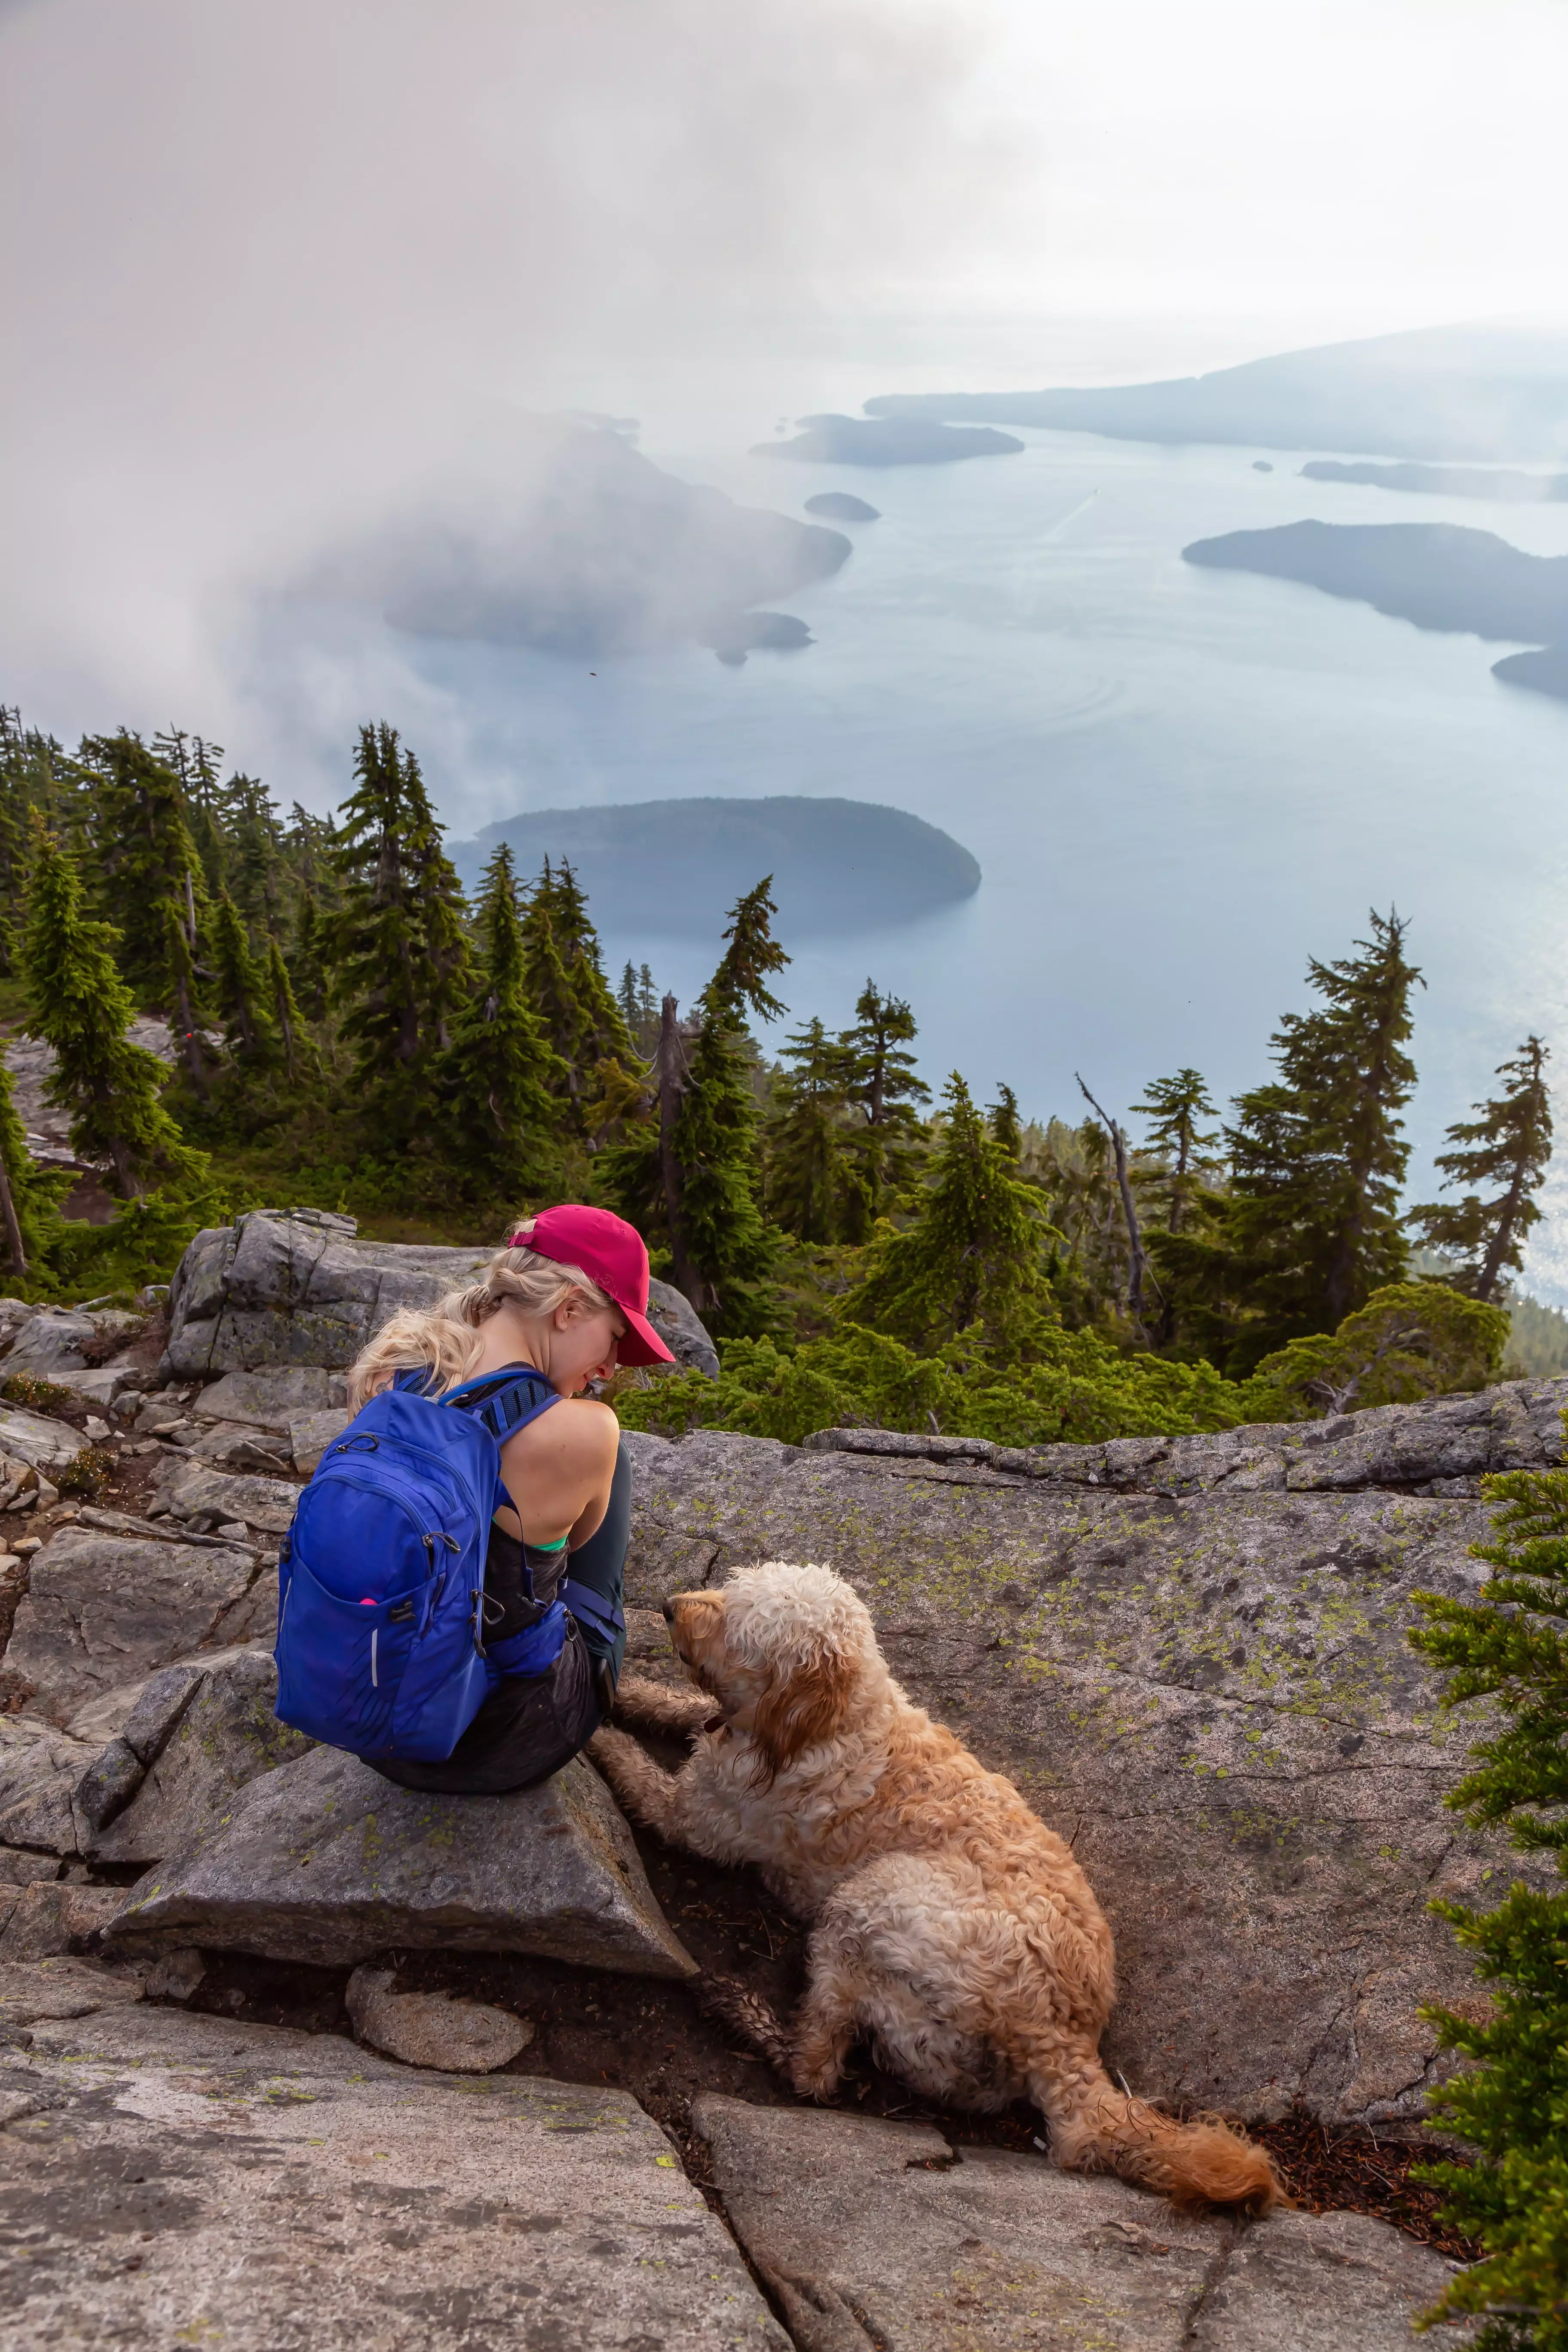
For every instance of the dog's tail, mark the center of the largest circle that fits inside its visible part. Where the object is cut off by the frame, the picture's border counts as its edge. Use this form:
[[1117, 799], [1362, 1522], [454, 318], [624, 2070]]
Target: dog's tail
[[749, 2015], [1095, 2128]]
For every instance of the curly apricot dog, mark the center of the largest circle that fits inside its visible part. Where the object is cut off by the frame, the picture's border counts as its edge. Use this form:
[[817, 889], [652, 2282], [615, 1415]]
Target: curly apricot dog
[[949, 1923]]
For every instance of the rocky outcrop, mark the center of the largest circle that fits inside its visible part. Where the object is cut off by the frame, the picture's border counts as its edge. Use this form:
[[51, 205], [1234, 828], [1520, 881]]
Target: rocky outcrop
[[324, 1861], [874, 2233], [171, 2179], [298, 1288], [103, 1610], [1191, 1655]]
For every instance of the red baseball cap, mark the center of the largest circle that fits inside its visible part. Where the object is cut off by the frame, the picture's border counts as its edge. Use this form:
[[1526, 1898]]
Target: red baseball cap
[[614, 1253]]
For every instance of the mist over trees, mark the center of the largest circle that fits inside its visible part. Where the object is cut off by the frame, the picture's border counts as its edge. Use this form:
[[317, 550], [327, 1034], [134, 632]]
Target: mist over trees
[[348, 1030]]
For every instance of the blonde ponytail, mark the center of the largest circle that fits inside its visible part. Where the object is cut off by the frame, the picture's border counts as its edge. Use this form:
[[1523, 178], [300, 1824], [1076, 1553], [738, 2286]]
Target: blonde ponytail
[[444, 1339]]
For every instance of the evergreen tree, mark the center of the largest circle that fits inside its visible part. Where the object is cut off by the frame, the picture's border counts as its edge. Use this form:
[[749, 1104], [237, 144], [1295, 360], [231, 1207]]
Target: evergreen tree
[[883, 1080], [254, 843], [308, 961], [298, 1054], [401, 957], [583, 1019], [498, 1109], [1506, 1148], [1006, 1127], [813, 1187], [974, 1259], [1311, 1222], [693, 1168], [239, 988], [150, 878], [1510, 2103], [1181, 1149], [78, 1003]]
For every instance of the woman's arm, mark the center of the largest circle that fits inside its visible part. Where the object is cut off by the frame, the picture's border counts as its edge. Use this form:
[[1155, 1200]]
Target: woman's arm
[[558, 1471]]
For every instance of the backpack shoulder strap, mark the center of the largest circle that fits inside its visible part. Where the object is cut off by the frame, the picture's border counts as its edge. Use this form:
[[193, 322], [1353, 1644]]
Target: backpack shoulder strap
[[503, 1402]]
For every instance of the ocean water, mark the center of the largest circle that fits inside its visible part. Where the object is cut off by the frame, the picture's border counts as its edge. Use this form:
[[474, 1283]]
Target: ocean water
[[1179, 783]]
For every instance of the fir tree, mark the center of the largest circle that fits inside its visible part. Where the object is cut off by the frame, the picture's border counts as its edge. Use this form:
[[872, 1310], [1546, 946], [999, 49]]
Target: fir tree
[[1312, 1223], [1511, 2101], [694, 1167], [308, 961], [401, 958], [583, 1019], [150, 878], [883, 1080], [1006, 1127], [1182, 1149], [812, 1186], [1506, 1148], [974, 1259], [298, 1054], [496, 1075], [78, 1004], [239, 988]]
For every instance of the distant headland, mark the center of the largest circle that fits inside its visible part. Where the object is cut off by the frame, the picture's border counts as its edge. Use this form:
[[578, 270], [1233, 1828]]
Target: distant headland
[[886, 441], [1440, 575], [1445, 482], [1443, 392], [672, 868]]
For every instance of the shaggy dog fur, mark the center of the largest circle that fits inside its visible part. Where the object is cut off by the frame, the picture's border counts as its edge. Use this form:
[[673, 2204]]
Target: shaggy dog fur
[[949, 1923]]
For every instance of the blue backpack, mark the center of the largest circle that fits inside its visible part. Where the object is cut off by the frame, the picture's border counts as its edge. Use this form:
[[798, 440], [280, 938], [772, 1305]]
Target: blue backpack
[[382, 1575]]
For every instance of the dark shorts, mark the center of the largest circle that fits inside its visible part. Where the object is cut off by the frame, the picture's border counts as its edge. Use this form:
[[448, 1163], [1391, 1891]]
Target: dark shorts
[[531, 1725]]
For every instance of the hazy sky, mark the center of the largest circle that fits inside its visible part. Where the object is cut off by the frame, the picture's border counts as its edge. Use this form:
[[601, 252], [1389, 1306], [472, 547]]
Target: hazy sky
[[256, 249]]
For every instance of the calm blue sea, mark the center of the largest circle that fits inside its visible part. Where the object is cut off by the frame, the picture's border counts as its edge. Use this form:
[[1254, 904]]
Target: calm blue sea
[[1180, 784]]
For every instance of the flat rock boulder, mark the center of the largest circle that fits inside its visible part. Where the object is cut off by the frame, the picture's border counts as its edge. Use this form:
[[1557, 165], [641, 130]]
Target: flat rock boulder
[[272, 1399], [102, 1610], [322, 1860], [433, 2029], [54, 1916], [200, 1734], [37, 1439], [297, 1288], [196, 1492], [1194, 1664], [41, 1769], [880, 2233], [169, 2179]]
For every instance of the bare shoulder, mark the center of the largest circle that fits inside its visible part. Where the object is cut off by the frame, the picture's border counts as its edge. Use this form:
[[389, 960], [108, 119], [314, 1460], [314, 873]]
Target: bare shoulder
[[579, 1432]]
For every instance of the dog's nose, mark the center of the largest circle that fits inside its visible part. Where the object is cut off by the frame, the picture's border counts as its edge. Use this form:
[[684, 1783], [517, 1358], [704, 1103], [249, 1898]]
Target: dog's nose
[[669, 1612]]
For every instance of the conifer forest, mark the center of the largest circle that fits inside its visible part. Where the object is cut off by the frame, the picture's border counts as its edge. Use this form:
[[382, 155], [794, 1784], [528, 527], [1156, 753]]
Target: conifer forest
[[346, 1030]]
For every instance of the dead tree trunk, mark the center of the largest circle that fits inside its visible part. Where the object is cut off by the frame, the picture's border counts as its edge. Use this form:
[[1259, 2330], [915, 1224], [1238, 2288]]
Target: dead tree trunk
[[1137, 1261]]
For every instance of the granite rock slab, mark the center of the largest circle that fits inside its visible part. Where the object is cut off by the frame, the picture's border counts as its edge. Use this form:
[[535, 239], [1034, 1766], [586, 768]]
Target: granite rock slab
[[194, 1491], [221, 1734], [102, 1610], [310, 1437], [36, 1438], [1209, 1691], [272, 1399], [872, 2233], [322, 1860], [298, 1288], [52, 1916], [169, 2179]]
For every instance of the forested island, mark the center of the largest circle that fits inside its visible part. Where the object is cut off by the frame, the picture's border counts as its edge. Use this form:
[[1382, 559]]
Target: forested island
[[887, 441], [1442, 392], [670, 868], [1439, 575], [566, 539], [1499, 482], [353, 1031]]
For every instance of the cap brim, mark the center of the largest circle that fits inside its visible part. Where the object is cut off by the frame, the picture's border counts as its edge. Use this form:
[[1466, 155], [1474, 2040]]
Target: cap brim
[[642, 1344]]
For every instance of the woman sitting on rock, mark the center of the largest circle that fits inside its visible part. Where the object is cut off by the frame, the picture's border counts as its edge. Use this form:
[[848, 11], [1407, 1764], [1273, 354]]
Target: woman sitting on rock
[[567, 1299]]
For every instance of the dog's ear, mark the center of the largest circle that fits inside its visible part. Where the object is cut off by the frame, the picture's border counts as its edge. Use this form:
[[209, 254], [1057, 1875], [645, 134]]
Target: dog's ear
[[804, 1706]]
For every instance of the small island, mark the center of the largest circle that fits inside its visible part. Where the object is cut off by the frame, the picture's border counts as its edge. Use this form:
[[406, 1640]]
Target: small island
[[842, 506], [888, 441], [1445, 482], [669, 869]]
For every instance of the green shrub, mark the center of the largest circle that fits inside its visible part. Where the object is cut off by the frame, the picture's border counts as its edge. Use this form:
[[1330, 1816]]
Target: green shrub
[[1411, 1340], [87, 1472], [1510, 1645], [34, 1393]]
